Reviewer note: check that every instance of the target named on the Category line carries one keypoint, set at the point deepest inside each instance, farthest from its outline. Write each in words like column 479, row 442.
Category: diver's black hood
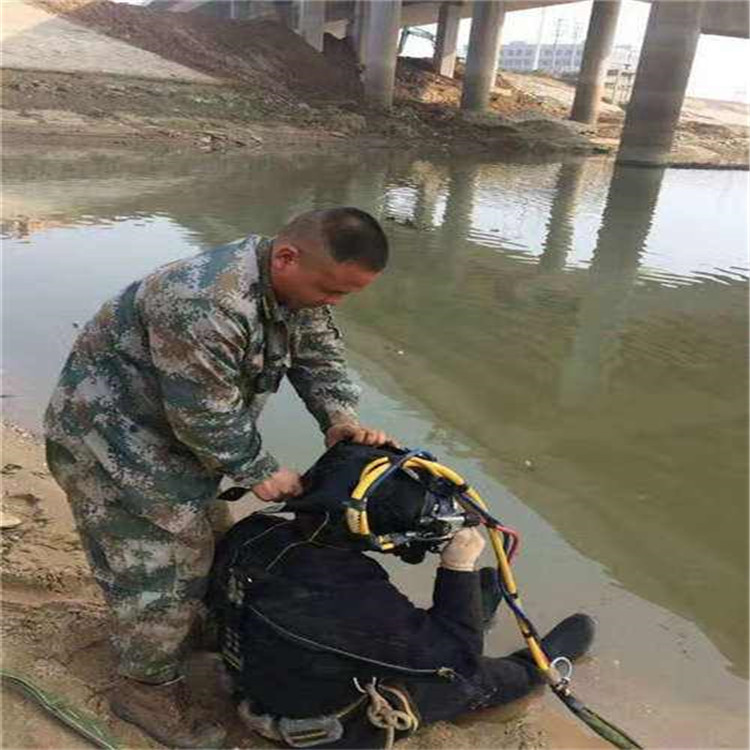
column 394, row 506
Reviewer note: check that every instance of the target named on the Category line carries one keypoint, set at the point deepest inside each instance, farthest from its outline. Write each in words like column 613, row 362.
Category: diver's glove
column 462, row 552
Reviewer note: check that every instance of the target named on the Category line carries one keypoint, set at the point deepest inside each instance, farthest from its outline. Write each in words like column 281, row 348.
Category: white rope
column 383, row 715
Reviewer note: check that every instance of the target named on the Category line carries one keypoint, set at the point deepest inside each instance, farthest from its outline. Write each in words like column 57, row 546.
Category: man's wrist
column 458, row 568
column 340, row 418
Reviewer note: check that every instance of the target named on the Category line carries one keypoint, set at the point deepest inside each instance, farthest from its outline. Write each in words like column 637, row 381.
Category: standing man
column 159, row 400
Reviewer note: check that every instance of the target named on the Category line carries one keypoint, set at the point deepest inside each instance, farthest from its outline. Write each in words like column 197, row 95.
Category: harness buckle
column 310, row 732
column 293, row 732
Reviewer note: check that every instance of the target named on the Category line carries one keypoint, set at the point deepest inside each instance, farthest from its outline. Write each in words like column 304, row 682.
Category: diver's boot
column 489, row 586
column 571, row 638
column 166, row 712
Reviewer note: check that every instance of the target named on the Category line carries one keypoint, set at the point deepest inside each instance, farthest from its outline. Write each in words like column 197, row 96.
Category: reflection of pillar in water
column 560, row 225
column 457, row 221
column 459, row 207
column 622, row 237
column 428, row 188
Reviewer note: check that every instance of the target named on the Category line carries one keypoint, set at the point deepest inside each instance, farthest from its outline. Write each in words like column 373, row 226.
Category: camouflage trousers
column 153, row 580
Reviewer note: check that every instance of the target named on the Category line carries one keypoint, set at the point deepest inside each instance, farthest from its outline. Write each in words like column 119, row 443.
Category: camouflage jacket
column 165, row 384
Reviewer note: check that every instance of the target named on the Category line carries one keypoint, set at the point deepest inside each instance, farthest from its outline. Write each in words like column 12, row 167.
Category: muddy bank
column 59, row 108
column 91, row 110
column 54, row 628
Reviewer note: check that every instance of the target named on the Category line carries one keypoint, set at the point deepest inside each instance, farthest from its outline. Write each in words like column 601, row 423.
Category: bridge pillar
column 312, row 17
column 446, row 41
column 660, row 82
column 381, row 50
column 357, row 29
column 482, row 57
column 596, row 52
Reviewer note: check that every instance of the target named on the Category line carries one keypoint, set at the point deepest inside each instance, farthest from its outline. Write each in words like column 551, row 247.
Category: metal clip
column 563, row 670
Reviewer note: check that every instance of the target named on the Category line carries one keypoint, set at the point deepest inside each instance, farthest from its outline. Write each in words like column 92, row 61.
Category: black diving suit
column 305, row 621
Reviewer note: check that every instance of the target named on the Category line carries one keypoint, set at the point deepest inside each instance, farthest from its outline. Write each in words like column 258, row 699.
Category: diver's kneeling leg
column 508, row 679
column 517, row 675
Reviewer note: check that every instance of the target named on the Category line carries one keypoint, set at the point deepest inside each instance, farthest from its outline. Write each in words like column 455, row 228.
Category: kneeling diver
column 325, row 651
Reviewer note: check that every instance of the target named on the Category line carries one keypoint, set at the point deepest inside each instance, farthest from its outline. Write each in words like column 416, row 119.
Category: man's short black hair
column 348, row 234
column 352, row 235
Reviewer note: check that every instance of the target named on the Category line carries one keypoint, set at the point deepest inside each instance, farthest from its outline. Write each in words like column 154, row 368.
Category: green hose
column 85, row 725
column 605, row 729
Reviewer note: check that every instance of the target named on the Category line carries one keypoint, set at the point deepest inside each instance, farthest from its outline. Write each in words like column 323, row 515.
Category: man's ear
column 283, row 256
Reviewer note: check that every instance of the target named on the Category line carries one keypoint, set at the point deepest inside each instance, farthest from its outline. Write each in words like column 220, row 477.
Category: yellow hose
column 357, row 519
column 357, row 522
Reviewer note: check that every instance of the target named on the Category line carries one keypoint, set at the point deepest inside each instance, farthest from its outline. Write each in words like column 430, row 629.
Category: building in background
column 558, row 59
column 564, row 60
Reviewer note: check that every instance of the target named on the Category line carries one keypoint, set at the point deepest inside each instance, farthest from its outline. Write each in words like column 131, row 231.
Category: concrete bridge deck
column 720, row 17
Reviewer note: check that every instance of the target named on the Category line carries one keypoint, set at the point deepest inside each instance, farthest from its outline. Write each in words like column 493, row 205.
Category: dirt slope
column 35, row 39
column 261, row 54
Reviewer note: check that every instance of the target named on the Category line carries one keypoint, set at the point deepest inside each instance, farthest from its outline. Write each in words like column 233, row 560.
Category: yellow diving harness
column 504, row 541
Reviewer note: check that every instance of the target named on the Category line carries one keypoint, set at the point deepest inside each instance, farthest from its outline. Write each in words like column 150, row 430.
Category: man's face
column 312, row 279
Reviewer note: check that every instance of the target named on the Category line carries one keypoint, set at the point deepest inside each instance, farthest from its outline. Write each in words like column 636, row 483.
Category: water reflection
column 626, row 223
column 561, row 221
column 558, row 324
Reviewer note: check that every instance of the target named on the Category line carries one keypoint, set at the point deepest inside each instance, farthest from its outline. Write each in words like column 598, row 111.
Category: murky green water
column 571, row 338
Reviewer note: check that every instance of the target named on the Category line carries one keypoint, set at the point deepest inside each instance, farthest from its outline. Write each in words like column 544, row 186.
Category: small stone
column 528, row 464
column 8, row 521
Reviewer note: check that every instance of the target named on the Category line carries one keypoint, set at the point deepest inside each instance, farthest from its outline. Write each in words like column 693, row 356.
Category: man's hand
column 283, row 484
column 462, row 552
column 357, row 434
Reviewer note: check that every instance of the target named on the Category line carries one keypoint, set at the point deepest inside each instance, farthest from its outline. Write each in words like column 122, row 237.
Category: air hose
column 85, row 725
column 504, row 543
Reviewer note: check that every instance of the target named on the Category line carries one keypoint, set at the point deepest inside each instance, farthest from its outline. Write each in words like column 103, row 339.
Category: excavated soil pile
column 261, row 54
column 270, row 57
column 417, row 82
